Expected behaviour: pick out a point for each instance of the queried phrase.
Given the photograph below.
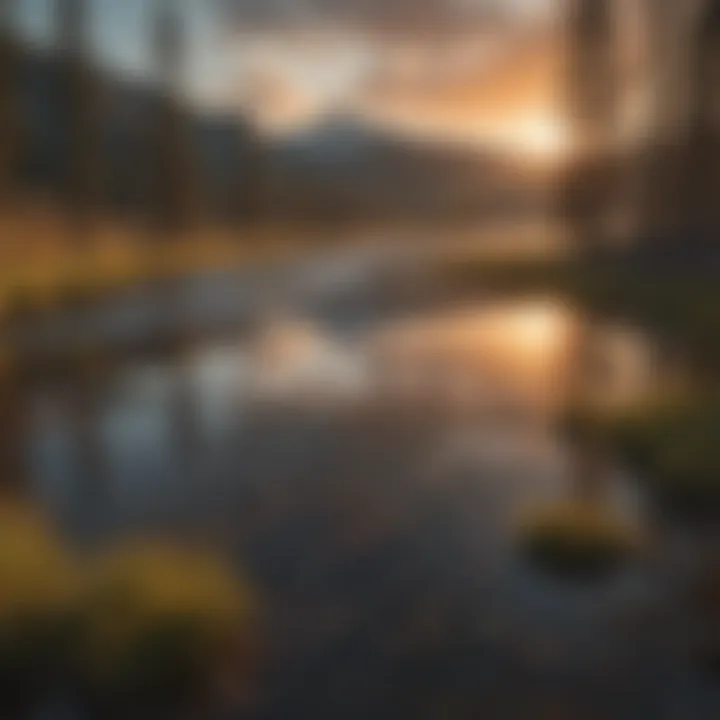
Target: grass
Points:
(577, 540)
(162, 624)
(671, 441)
(682, 306)
(674, 448)
(147, 624)
(51, 276)
(38, 586)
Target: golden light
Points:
(541, 327)
(540, 137)
(543, 137)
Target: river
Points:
(367, 459)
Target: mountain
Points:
(346, 168)
(338, 170)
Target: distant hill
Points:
(343, 167)
(338, 170)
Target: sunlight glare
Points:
(541, 137)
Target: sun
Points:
(540, 137)
(543, 137)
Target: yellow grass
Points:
(37, 577)
(40, 266)
(578, 538)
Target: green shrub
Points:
(577, 540)
(163, 626)
(38, 590)
(675, 450)
(143, 627)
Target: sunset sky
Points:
(474, 70)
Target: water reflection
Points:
(511, 352)
(372, 480)
(495, 372)
(297, 361)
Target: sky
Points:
(423, 65)
(466, 69)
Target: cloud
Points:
(478, 92)
(445, 62)
(396, 17)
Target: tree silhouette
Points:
(176, 193)
(704, 139)
(83, 179)
(680, 162)
(9, 126)
(591, 108)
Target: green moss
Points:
(673, 447)
(577, 541)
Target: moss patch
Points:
(577, 540)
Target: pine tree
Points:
(175, 201)
(591, 107)
(587, 200)
(703, 166)
(9, 126)
(679, 73)
(83, 179)
(592, 81)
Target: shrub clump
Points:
(164, 625)
(578, 540)
(674, 448)
(144, 626)
(38, 589)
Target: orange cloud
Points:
(513, 85)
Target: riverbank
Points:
(383, 539)
(48, 278)
(677, 302)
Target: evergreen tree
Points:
(704, 141)
(175, 197)
(585, 196)
(83, 179)
(9, 126)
